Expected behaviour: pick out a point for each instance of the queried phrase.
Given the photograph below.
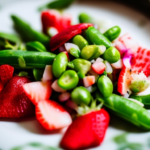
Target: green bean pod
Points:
(145, 99)
(127, 109)
(113, 33)
(85, 18)
(97, 38)
(26, 59)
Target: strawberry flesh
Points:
(86, 131)
(67, 34)
(6, 73)
(51, 115)
(13, 101)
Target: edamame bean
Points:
(80, 41)
(105, 86)
(112, 55)
(85, 18)
(59, 65)
(112, 33)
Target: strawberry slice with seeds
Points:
(6, 73)
(53, 18)
(124, 81)
(67, 34)
(51, 115)
(92, 125)
(37, 91)
(13, 101)
(141, 61)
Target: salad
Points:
(71, 75)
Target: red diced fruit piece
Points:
(92, 126)
(53, 18)
(37, 91)
(67, 34)
(13, 101)
(51, 115)
(124, 81)
(98, 66)
(6, 73)
(88, 81)
(141, 61)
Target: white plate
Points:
(28, 134)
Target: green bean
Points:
(38, 73)
(85, 18)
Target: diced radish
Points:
(62, 48)
(92, 72)
(98, 66)
(47, 75)
(37, 91)
(88, 81)
(108, 67)
(71, 105)
(67, 55)
(64, 96)
(118, 64)
(68, 46)
(56, 87)
(51, 115)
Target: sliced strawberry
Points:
(13, 101)
(88, 81)
(67, 34)
(98, 66)
(53, 18)
(141, 61)
(6, 73)
(51, 115)
(86, 131)
(37, 91)
(47, 75)
(124, 81)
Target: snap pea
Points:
(105, 86)
(80, 41)
(81, 95)
(145, 99)
(91, 52)
(26, 59)
(111, 54)
(127, 109)
(75, 52)
(81, 65)
(23, 74)
(59, 65)
(38, 73)
(85, 18)
(113, 33)
(27, 33)
(97, 38)
(68, 80)
(35, 46)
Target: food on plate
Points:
(67, 76)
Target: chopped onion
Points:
(108, 68)
(56, 87)
(68, 46)
(118, 64)
(47, 75)
(64, 96)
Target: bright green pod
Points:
(59, 65)
(97, 38)
(113, 33)
(68, 80)
(38, 74)
(80, 95)
(85, 18)
(35, 46)
(80, 41)
(105, 86)
(23, 74)
(26, 59)
(75, 52)
(111, 54)
(127, 109)
(81, 65)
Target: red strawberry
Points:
(51, 115)
(86, 131)
(98, 66)
(141, 61)
(13, 101)
(37, 91)
(6, 73)
(68, 33)
(124, 80)
(53, 18)
(1, 86)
